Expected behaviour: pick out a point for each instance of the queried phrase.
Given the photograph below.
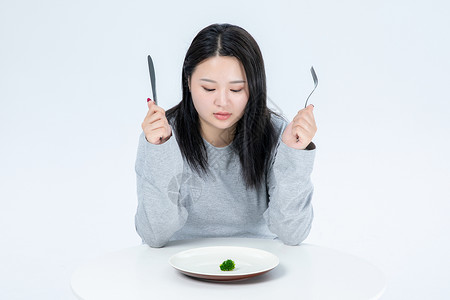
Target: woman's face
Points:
(220, 93)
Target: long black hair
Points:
(255, 137)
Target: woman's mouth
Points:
(222, 115)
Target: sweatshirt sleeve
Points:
(290, 190)
(159, 171)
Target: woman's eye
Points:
(236, 91)
(208, 90)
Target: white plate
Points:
(205, 262)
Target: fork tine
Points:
(316, 81)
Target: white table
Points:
(305, 272)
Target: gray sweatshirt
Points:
(175, 203)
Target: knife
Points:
(151, 69)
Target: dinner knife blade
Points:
(151, 70)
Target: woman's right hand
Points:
(155, 126)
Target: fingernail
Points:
(148, 99)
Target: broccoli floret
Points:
(227, 265)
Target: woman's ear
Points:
(189, 84)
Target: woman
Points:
(220, 163)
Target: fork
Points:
(316, 82)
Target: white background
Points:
(73, 88)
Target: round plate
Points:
(205, 262)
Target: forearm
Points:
(290, 189)
(158, 176)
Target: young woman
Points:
(220, 163)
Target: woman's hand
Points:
(155, 126)
(300, 132)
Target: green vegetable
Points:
(227, 265)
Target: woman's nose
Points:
(221, 98)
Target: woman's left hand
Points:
(300, 132)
